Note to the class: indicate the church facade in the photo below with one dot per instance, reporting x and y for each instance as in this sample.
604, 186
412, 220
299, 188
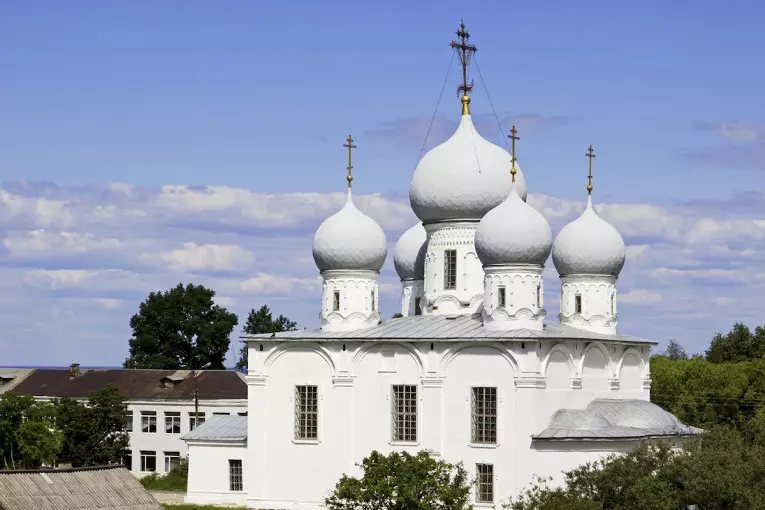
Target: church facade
473, 372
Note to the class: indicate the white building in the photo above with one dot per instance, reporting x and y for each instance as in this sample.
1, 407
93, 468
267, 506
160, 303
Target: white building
161, 404
473, 372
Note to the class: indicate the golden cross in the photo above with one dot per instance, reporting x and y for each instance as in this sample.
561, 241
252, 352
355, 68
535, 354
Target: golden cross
465, 51
350, 147
590, 154
513, 136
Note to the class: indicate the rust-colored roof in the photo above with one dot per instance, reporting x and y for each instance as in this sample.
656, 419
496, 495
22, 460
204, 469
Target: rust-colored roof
134, 384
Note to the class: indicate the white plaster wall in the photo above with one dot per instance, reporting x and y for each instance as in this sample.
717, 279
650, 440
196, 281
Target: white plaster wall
467, 297
598, 309
161, 441
209, 472
555, 458
359, 301
534, 379
411, 290
524, 305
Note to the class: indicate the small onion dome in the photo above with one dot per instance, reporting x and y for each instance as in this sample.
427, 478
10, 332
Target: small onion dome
409, 253
513, 233
589, 245
349, 239
463, 178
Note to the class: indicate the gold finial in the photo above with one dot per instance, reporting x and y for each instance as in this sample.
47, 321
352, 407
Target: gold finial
590, 154
464, 51
350, 147
513, 136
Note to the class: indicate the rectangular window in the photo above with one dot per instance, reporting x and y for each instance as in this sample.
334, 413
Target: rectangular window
336, 301
148, 421
372, 300
613, 304
148, 461
306, 412
417, 309
129, 421
483, 405
578, 303
171, 460
192, 423
235, 479
501, 297
404, 413
450, 269
127, 460
173, 423
539, 295
484, 491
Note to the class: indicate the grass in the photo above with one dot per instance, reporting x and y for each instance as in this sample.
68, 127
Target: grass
199, 507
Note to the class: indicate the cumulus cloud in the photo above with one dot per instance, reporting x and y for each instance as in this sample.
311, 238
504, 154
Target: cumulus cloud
75, 262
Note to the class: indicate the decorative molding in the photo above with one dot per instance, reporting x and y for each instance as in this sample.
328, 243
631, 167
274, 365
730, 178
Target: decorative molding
531, 381
256, 379
576, 382
340, 381
614, 384
432, 382
646, 382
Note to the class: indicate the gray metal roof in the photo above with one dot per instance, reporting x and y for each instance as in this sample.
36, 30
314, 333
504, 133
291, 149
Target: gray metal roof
11, 377
614, 419
220, 428
447, 328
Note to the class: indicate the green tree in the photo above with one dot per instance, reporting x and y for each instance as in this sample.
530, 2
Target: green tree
29, 436
739, 344
397, 315
400, 481
720, 471
262, 321
180, 328
675, 351
94, 432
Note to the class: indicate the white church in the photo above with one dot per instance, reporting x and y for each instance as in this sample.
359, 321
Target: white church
473, 372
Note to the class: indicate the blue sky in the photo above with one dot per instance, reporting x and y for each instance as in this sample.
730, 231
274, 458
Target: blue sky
145, 143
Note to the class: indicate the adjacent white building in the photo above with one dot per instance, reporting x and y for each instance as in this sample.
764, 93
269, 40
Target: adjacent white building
475, 372
161, 404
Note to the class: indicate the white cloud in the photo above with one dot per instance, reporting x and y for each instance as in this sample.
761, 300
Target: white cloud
639, 296
213, 257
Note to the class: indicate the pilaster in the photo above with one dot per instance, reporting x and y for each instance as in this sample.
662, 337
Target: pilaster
432, 411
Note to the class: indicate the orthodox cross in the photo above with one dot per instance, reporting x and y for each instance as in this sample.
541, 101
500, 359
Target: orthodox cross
590, 154
464, 51
350, 147
513, 136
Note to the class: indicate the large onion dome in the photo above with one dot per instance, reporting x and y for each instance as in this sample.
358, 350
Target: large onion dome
463, 178
513, 233
409, 253
589, 245
351, 240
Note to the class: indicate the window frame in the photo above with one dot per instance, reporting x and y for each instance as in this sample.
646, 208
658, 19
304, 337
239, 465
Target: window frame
450, 269
578, 303
335, 300
172, 418
484, 484
168, 456
484, 415
403, 396
306, 413
235, 475
501, 296
150, 418
192, 424
145, 455
417, 309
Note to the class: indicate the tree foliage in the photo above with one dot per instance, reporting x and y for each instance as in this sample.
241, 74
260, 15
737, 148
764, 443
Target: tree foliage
400, 481
675, 351
29, 436
262, 321
180, 328
739, 344
94, 432
720, 471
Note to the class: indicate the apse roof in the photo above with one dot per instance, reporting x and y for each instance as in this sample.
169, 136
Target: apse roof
447, 328
614, 419
220, 428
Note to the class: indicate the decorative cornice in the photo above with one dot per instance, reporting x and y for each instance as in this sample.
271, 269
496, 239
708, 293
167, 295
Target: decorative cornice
432, 382
256, 379
613, 384
530, 381
576, 382
343, 381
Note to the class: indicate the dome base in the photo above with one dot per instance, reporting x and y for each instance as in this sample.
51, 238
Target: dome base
513, 297
349, 300
588, 302
411, 297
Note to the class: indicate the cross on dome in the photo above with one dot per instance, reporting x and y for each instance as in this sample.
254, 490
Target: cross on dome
513, 136
590, 154
465, 51
350, 146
